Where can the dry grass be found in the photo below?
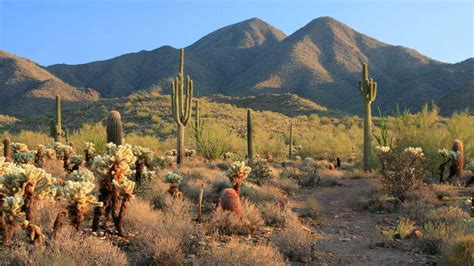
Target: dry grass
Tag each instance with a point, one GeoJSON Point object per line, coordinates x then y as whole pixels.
{"type": "Point", "coordinates": [462, 252]}
{"type": "Point", "coordinates": [162, 237]}
{"type": "Point", "coordinates": [448, 215]}
{"type": "Point", "coordinates": [225, 222]}
{"type": "Point", "coordinates": [70, 248]}
{"type": "Point", "coordinates": [444, 190]}
{"type": "Point", "coordinates": [275, 215]}
{"type": "Point", "coordinates": [293, 241]}
{"type": "Point", "coordinates": [54, 167]}
{"type": "Point", "coordinates": [235, 253]}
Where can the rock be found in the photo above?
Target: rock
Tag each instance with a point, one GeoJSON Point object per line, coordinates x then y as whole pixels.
{"type": "Point", "coordinates": [344, 239]}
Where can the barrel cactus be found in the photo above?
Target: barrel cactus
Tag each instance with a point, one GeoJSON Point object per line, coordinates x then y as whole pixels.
{"type": "Point", "coordinates": [114, 128]}
{"type": "Point", "coordinates": [230, 198]}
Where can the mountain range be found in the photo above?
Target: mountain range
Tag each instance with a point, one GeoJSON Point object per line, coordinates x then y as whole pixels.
{"type": "Point", "coordinates": [320, 62]}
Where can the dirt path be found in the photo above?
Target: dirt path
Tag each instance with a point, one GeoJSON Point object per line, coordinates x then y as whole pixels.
{"type": "Point", "coordinates": [349, 235]}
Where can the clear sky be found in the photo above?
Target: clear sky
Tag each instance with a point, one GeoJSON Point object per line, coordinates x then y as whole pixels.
{"type": "Point", "coordinates": [73, 31]}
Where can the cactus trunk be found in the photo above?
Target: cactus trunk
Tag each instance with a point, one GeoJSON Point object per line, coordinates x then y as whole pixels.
{"type": "Point", "coordinates": [290, 149]}
{"type": "Point", "coordinates": [114, 128]}
{"type": "Point", "coordinates": [367, 136]}
{"type": "Point", "coordinates": [180, 147]}
{"type": "Point", "coordinates": [368, 90]}
{"type": "Point", "coordinates": [249, 136]}
{"type": "Point", "coordinates": [6, 149]}
{"type": "Point", "coordinates": [57, 126]}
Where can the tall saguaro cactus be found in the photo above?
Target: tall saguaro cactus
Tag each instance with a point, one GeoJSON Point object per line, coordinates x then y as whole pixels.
{"type": "Point", "coordinates": [114, 128]}
{"type": "Point", "coordinates": [290, 148]}
{"type": "Point", "coordinates": [56, 127]}
{"type": "Point", "coordinates": [181, 105]}
{"type": "Point", "coordinates": [368, 90]}
{"type": "Point", "coordinates": [249, 136]}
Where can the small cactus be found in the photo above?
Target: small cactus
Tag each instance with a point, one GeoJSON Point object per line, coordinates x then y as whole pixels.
{"type": "Point", "coordinates": [114, 128]}
{"type": "Point", "coordinates": [56, 127]}
{"type": "Point", "coordinates": [290, 145]}
{"type": "Point", "coordinates": [6, 149]}
{"type": "Point", "coordinates": [458, 165]}
{"type": "Point", "coordinates": [249, 136]}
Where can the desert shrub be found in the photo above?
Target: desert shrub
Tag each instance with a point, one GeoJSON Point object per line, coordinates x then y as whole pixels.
{"type": "Point", "coordinates": [260, 194]}
{"type": "Point", "coordinates": [404, 229]}
{"type": "Point", "coordinates": [94, 133]}
{"type": "Point", "coordinates": [402, 171]}
{"type": "Point", "coordinates": [461, 252]}
{"type": "Point", "coordinates": [69, 248]}
{"type": "Point", "coordinates": [288, 185]}
{"type": "Point", "coordinates": [214, 141]}
{"type": "Point", "coordinates": [277, 215]}
{"type": "Point", "coordinates": [444, 190]}
{"type": "Point", "coordinates": [226, 222]}
{"type": "Point", "coordinates": [261, 172]}
{"type": "Point", "coordinates": [312, 207]}
{"type": "Point", "coordinates": [448, 215]}
{"type": "Point", "coordinates": [437, 237]}
{"type": "Point", "coordinates": [293, 241]}
{"type": "Point", "coordinates": [423, 194]}
{"type": "Point", "coordinates": [234, 253]}
{"type": "Point", "coordinates": [163, 237]}
{"type": "Point", "coordinates": [30, 138]}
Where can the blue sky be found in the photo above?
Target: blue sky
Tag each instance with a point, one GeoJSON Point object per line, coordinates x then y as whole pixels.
{"type": "Point", "coordinates": [73, 31]}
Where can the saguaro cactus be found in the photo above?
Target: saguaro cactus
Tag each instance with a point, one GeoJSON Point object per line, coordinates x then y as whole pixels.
{"type": "Point", "coordinates": [249, 136]}
{"type": "Point", "coordinates": [6, 149]}
{"type": "Point", "coordinates": [181, 105]}
{"type": "Point", "coordinates": [56, 127]}
{"type": "Point", "coordinates": [114, 128]}
{"type": "Point", "coordinates": [290, 148]}
{"type": "Point", "coordinates": [368, 90]}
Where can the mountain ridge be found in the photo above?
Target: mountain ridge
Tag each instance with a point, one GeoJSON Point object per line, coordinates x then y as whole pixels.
{"type": "Point", "coordinates": [321, 62]}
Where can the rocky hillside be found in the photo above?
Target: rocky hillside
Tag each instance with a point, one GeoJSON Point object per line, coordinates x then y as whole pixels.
{"type": "Point", "coordinates": [320, 62]}
{"type": "Point", "coordinates": [26, 87]}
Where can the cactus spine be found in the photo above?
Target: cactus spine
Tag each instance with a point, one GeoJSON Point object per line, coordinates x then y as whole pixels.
{"type": "Point", "coordinates": [368, 90]}
{"type": "Point", "coordinates": [56, 127]}
{"type": "Point", "coordinates": [6, 149]}
{"type": "Point", "coordinates": [181, 105]}
{"type": "Point", "coordinates": [114, 128]}
{"type": "Point", "coordinates": [290, 148]}
{"type": "Point", "coordinates": [249, 136]}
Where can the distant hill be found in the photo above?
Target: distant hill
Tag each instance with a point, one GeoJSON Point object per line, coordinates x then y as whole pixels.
{"type": "Point", "coordinates": [320, 62]}
{"type": "Point", "coordinates": [26, 87]}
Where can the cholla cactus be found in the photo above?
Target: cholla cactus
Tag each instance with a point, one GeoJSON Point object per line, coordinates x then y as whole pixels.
{"type": "Point", "coordinates": [74, 163]}
{"type": "Point", "coordinates": [414, 152]}
{"type": "Point", "coordinates": [24, 157]}
{"type": "Point", "coordinates": [112, 170]}
{"type": "Point", "coordinates": [238, 170]}
{"type": "Point", "coordinates": [144, 159]}
{"type": "Point", "coordinates": [78, 192]}
{"type": "Point", "coordinates": [20, 187]}
{"type": "Point", "coordinates": [443, 153]}
{"type": "Point", "coordinates": [18, 147]}
{"type": "Point", "coordinates": [189, 153]}
{"type": "Point", "coordinates": [470, 166]}
{"type": "Point", "coordinates": [89, 151]}
{"type": "Point", "coordinates": [382, 150]}
{"type": "Point", "coordinates": [171, 152]}
{"type": "Point", "coordinates": [174, 180]}
{"type": "Point", "coordinates": [164, 161]}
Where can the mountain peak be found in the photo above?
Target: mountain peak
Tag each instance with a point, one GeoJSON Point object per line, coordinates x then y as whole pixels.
{"type": "Point", "coordinates": [249, 33]}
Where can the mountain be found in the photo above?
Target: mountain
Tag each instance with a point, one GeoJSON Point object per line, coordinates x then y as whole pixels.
{"type": "Point", "coordinates": [25, 86]}
{"type": "Point", "coordinates": [320, 62]}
